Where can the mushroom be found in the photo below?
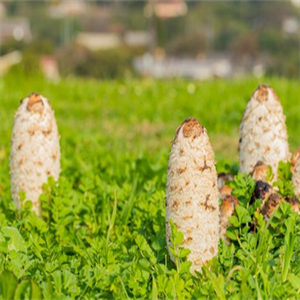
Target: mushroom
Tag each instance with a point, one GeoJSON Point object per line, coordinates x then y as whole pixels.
{"type": "Point", "coordinates": [227, 210]}
{"type": "Point", "coordinates": [271, 204]}
{"type": "Point", "coordinates": [223, 177]}
{"type": "Point", "coordinates": [35, 151]}
{"type": "Point", "coordinates": [192, 193]}
{"type": "Point", "coordinates": [223, 188]}
{"type": "Point", "coordinates": [263, 134]}
{"type": "Point", "coordinates": [224, 191]}
{"type": "Point", "coordinates": [260, 172]}
{"type": "Point", "coordinates": [261, 191]}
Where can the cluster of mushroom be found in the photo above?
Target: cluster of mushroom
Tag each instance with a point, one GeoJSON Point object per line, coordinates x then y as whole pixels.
{"type": "Point", "coordinates": [194, 187]}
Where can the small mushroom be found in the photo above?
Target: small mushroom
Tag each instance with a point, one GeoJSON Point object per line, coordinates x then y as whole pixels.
{"type": "Point", "coordinates": [227, 210]}
{"type": "Point", "coordinates": [271, 204]}
{"type": "Point", "coordinates": [223, 178]}
{"type": "Point", "coordinates": [224, 189]}
{"type": "Point", "coordinates": [261, 191]}
{"type": "Point", "coordinates": [260, 171]}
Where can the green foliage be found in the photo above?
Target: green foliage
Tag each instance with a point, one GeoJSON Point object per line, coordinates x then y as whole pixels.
{"type": "Point", "coordinates": [77, 60]}
{"type": "Point", "coordinates": [11, 289]}
{"type": "Point", "coordinates": [243, 186]}
{"type": "Point", "coordinates": [284, 181]}
{"type": "Point", "coordinates": [30, 64]}
{"type": "Point", "coordinates": [102, 234]}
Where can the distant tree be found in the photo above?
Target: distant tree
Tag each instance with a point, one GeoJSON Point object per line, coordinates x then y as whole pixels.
{"type": "Point", "coordinates": [245, 46]}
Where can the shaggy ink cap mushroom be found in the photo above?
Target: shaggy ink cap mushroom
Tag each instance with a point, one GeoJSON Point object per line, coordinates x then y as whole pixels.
{"type": "Point", "coordinates": [192, 193]}
{"type": "Point", "coordinates": [263, 134]}
{"type": "Point", "coordinates": [35, 150]}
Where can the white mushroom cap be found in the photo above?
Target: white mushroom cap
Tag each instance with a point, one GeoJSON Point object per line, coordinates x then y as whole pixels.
{"type": "Point", "coordinates": [295, 168]}
{"type": "Point", "coordinates": [192, 193]}
{"type": "Point", "coordinates": [263, 134]}
{"type": "Point", "coordinates": [35, 151]}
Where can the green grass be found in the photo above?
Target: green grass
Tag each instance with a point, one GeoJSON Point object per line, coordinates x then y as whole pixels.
{"type": "Point", "coordinates": [102, 234]}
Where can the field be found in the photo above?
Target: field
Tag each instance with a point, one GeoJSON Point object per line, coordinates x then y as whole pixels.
{"type": "Point", "coordinates": [102, 234]}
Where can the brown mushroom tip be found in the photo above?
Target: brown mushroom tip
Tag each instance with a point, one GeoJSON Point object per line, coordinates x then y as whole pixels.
{"type": "Point", "coordinates": [259, 163]}
{"type": "Point", "coordinates": [271, 204]}
{"type": "Point", "coordinates": [229, 203]}
{"type": "Point", "coordinates": [263, 86]}
{"type": "Point", "coordinates": [261, 94]}
{"type": "Point", "coordinates": [225, 176]}
{"type": "Point", "coordinates": [191, 128]}
{"type": "Point", "coordinates": [274, 199]}
{"type": "Point", "coordinates": [34, 102]}
{"type": "Point", "coordinates": [294, 158]}
{"type": "Point", "coordinates": [260, 171]}
{"type": "Point", "coordinates": [261, 191]}
{"type": "Point", "coordinates": [225, 190]}
{"type": "Point", "coordinates": [294, 201]}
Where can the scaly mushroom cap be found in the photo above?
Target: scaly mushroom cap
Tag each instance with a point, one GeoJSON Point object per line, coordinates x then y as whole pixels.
{"type": "Point", "coordinates": [192, 193]}
{"type": "Point", "coordinates": [260, 171]}
{"type": "Point", "coordinates": [263, 134]}
{"type": "Point", "coordinates": [35, 151]}
{"type": "Point", "coordinates": [226, 211]}
{"type": "Point", "coordinates": [271, 204]}
{"type": "Point", "coordinates": [295, 168]}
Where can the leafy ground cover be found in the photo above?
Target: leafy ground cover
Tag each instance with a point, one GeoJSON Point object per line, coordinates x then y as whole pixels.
{"type": "Point", "coordinates": [102, 234]}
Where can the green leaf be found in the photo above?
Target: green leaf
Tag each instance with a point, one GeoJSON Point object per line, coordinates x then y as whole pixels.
{"type": "Point", "coordinates": [294, 280]}
{"type": "Point", "coordinates": [184, 267]}
{"type": "Point", "coordinates": [16, 241]}
{"type": "Point", "coordinates": [183, 252]}
{"type": "Point", "coordinates": [36, 292]}
{"type": "Point", "coordinates": [47, 290]}
{"type": "Point", "coordinates": [232, 233]}
{"type": "Point", "coordinates": [57, 281]}
{"type": "Point", "coordinates": [218, 283]}
{"type": "Point", "coordinates": [243, 214]}
{"type": "Point", "coordinates": [8, 284]}
{"type": "Point", "coordinates": [177, 237]}
{"type": "Point", "coordinates": [23, 290]}
{"type": "Point", "coordinates": [70, 281]}
{"type": "Point", "coordinates": [154, 289]}
{"type": "Point", "coordinates": [233, 220]}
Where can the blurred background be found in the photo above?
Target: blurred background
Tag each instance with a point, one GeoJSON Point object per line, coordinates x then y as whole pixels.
{"type": "Point", "coordinates": [194, 40]}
